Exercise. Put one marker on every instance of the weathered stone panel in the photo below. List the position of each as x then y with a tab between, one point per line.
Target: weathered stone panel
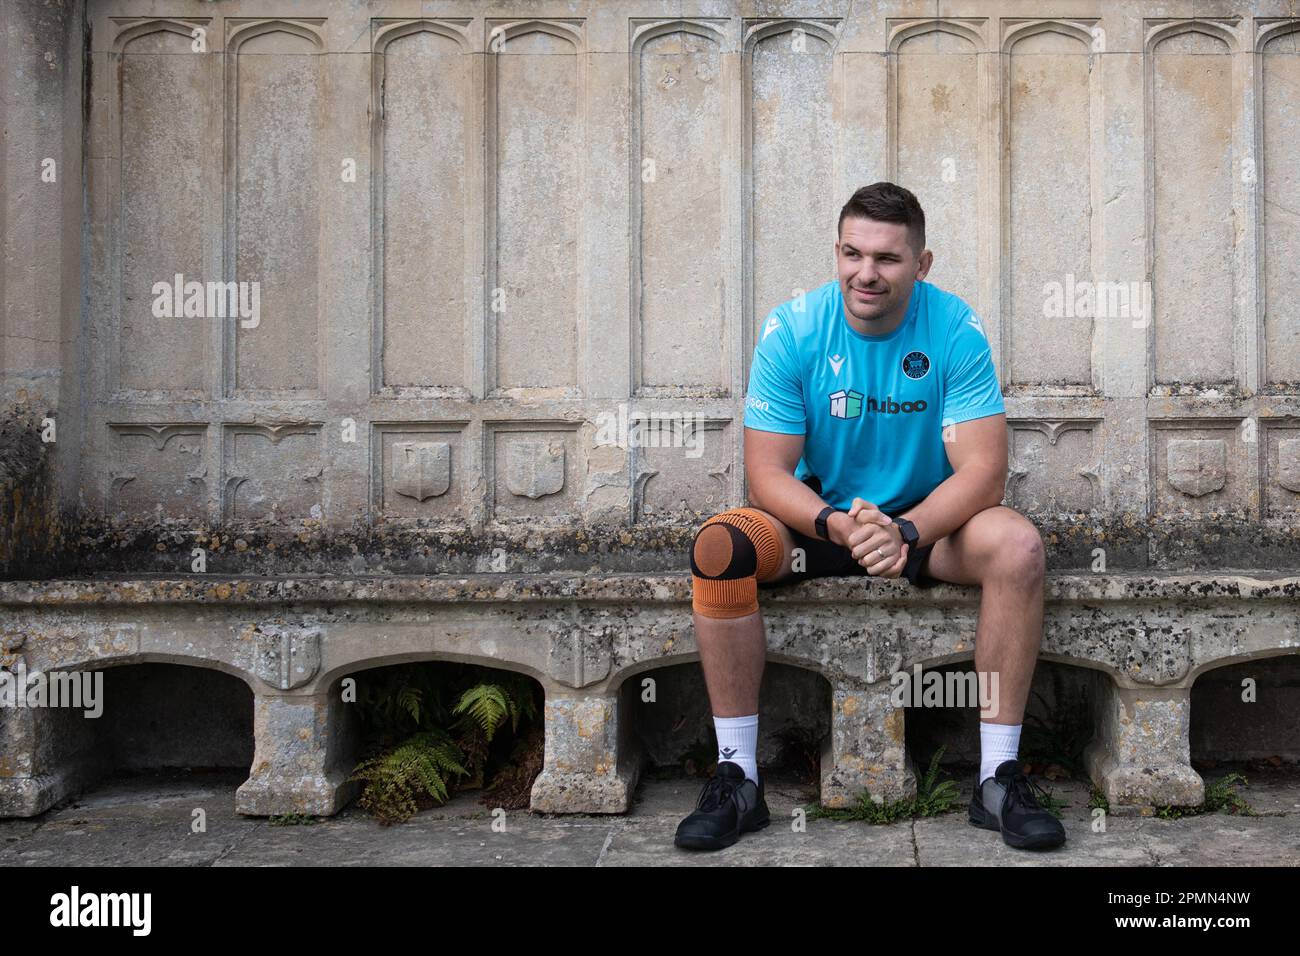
792	117
1051	88
940	99
1279	104
682	118
1192	164
164	124
275	117
537	111
424	88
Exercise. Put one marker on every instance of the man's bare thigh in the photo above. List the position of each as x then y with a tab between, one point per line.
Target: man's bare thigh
962	556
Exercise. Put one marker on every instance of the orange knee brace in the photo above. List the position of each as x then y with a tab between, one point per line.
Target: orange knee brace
731	553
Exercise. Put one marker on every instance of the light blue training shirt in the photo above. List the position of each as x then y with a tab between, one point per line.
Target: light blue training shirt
872	408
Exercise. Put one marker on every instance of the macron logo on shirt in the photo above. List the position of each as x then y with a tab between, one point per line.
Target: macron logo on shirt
772	323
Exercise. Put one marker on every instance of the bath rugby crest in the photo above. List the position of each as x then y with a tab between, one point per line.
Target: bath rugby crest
916	364
872	408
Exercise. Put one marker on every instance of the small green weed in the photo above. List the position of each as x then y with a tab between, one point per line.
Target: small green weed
933	798
1097	799
1220	797
292	820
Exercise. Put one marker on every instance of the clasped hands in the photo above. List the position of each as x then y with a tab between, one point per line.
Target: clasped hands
874	540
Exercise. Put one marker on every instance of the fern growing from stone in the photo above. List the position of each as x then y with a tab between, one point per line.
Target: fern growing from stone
418	766
934	796
483	709
423	750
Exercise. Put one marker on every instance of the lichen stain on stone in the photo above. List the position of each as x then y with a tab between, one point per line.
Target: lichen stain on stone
894	725
849	706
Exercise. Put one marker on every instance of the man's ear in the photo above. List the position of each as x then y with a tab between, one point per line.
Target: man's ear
924	263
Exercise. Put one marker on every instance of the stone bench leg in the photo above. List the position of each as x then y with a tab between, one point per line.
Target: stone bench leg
301	762
581	772
28	784
866	748
45	756
1139	755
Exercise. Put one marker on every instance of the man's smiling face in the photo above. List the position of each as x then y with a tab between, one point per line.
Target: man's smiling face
877	268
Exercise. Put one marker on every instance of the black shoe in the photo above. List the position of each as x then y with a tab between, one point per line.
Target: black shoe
1006	802
730	805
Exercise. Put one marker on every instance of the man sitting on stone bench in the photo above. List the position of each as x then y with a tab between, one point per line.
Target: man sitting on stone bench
875	392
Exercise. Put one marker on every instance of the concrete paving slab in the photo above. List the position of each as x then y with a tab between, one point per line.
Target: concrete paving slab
134	821
824	843
426	841
1221	840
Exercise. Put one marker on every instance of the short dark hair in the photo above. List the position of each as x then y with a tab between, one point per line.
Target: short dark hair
887	202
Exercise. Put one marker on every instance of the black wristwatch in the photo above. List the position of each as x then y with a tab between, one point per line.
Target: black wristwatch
823	531
910	535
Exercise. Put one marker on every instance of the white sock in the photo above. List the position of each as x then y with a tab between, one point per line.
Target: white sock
738	742
998	743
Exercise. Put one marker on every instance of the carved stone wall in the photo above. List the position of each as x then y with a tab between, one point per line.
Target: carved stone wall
354	285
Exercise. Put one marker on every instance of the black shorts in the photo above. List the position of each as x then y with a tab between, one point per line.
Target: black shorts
827	559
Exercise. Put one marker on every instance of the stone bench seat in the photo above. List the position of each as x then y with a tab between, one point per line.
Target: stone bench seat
584	635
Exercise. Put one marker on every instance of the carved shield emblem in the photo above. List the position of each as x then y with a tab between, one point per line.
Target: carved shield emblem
421	469
1288	464
535	468
1197	466
288	655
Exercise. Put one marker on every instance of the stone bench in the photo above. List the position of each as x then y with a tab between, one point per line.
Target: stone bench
584	636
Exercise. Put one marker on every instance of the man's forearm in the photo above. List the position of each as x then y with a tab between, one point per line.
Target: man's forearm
954	502
788	499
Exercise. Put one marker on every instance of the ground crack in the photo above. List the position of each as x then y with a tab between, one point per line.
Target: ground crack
609	838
